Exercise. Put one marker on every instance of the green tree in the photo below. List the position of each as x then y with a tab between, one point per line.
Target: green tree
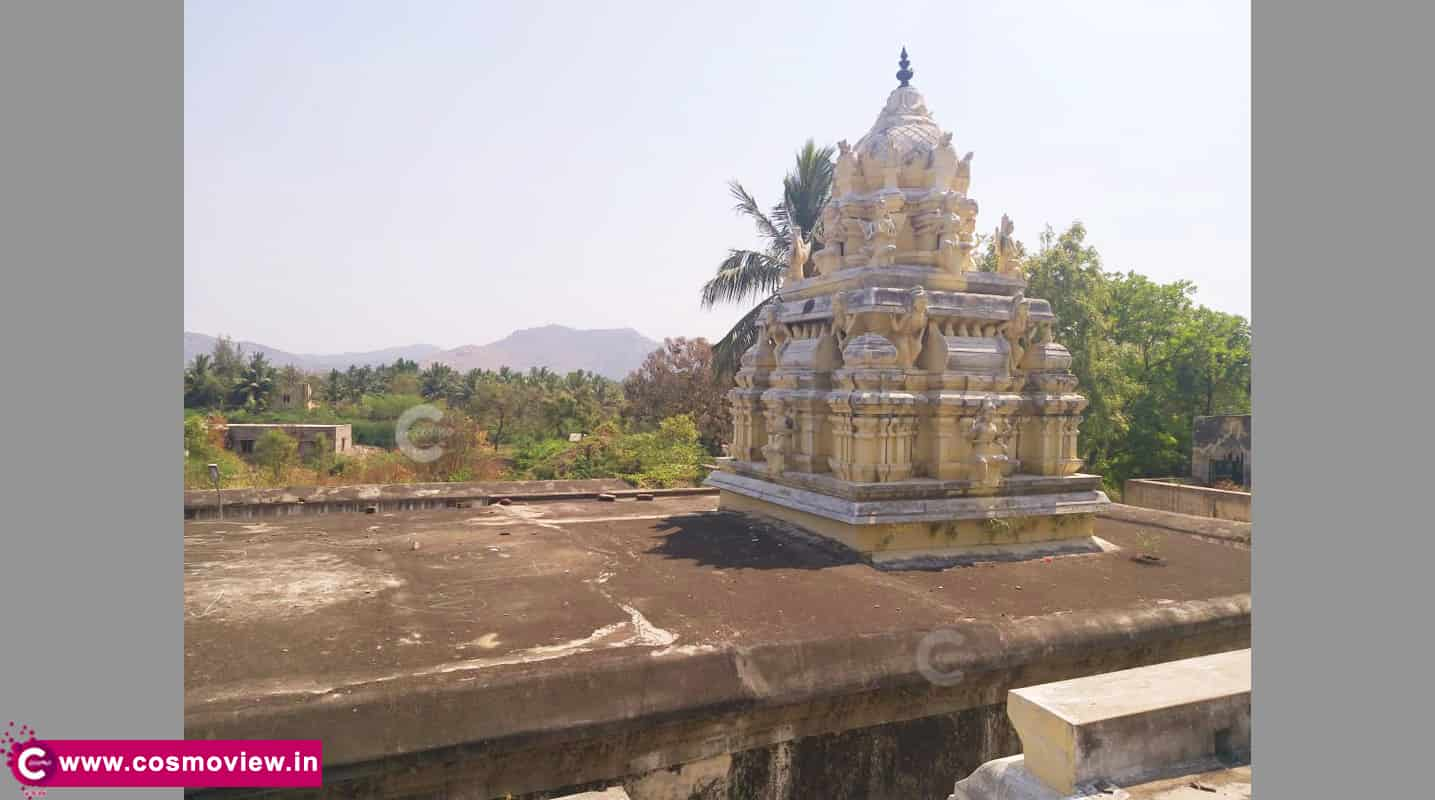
747	274
322	457
228	359
678	379
276	451
1148	358
255	385
439	382
334	390
495	404
202	387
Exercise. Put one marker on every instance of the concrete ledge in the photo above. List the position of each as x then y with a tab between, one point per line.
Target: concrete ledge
456	712
251	503
1219	529
1131	726
1200	501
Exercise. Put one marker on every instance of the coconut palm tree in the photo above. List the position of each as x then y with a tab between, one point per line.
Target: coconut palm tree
202	388
439	381
255	384
748	274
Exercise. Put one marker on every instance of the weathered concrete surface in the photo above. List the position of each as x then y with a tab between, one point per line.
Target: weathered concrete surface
1233	783
1130	726
539	648
1199	501
1008	779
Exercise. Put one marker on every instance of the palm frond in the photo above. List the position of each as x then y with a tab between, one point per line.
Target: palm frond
747	204
743	274
808	187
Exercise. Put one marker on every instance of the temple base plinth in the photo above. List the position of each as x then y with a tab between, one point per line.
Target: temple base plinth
930	532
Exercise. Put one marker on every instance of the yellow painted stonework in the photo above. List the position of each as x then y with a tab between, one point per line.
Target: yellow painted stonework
889	358
891	541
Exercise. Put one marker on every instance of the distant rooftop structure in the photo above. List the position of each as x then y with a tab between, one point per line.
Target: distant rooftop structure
296	394
1221	449
243	437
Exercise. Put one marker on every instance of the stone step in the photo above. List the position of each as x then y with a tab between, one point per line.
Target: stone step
1124	727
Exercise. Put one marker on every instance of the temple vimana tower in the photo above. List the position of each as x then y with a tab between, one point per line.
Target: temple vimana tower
898	399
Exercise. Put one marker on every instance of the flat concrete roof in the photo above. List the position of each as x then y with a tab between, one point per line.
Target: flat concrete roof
375	632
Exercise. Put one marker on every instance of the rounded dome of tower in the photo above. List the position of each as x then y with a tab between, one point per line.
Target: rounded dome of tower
904	127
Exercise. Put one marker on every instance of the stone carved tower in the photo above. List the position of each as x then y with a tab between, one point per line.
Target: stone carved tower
900	400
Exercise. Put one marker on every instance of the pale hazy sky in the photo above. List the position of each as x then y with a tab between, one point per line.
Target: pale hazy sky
361	175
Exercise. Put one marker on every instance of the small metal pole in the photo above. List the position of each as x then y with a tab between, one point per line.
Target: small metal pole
219	498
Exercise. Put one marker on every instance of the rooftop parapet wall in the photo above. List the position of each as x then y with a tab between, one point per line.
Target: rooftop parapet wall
1179	498
249	503
564	645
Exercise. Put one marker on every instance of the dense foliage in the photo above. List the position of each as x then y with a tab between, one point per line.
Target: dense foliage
670	455
654	429
678	378
1149	359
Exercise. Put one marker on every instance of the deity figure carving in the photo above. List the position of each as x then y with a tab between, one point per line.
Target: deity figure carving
1014	331
963	180
881	237
989	434
830	234
797	258
944	164
775	331
1008	253
779	431
842	322
908	329
844	174
966	210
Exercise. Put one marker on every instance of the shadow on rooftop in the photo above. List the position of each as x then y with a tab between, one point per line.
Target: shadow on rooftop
734	541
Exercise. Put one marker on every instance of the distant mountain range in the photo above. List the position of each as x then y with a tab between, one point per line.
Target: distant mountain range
612	353
195	343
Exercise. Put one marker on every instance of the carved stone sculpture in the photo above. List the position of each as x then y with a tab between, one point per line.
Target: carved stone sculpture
944	164
1006	248
1015	330
963	180
907	329
844	173
880	236
797	258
